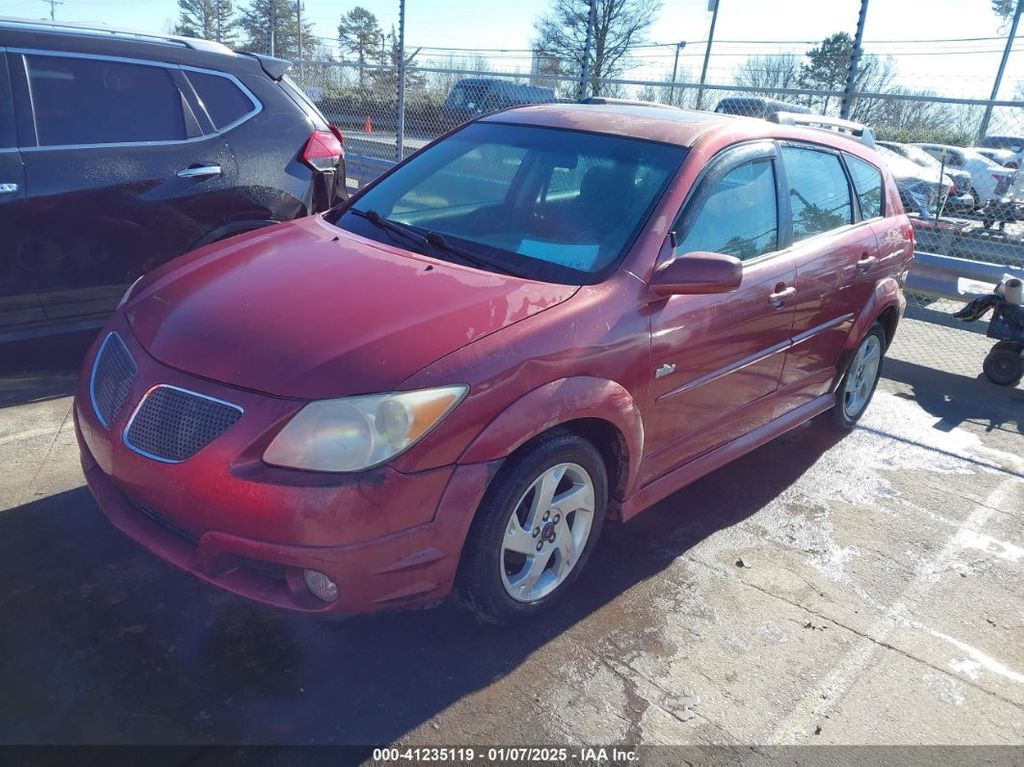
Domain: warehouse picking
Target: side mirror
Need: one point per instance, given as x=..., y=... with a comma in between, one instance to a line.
x=697, y=273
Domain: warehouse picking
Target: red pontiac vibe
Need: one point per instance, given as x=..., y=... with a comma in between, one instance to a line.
x=554, y=316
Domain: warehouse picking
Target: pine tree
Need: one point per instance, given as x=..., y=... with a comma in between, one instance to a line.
x=256, y=21
x=361, y=35
x=208, y=19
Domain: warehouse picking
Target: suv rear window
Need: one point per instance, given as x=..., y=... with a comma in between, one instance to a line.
x=867, y=180
x=224, y=101
x=819, y=193
x=95, y=101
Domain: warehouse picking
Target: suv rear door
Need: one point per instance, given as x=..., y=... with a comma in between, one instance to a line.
x=717, y=359
x=835, y=254
x=18, y=301
x=120, y=176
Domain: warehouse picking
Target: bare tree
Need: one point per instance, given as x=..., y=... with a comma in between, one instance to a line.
x=778, y=71
x=619, y=27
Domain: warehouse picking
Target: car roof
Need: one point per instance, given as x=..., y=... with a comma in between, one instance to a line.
x=682, y=127
x=109, y=41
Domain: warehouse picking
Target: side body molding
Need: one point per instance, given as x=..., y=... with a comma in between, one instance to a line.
x=567, y=399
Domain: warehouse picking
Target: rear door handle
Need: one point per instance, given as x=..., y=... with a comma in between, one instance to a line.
x=778, y=298
x=8, y=187
x=199, y=171
x=865, y=263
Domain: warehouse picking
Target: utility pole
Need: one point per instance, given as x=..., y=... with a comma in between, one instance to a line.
x=217, y=11
x=53, y=3
x=853, y=63
x=713, y=7
x=675, y=68
x=587, y=45
x=1002, y=67
x=273, y=24
x=298, y=14
x=400, y=137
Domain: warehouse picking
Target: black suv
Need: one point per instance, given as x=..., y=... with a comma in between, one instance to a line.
x=120, y=151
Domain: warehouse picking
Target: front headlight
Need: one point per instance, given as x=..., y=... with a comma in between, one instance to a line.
x=355, y=433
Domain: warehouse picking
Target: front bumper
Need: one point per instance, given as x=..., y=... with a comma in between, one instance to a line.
x=387, y=539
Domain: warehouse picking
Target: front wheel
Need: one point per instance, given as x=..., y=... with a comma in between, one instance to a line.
x=535, y=529
x=861, y=379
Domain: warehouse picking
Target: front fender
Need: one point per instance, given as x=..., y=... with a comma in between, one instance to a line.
x=556, y=403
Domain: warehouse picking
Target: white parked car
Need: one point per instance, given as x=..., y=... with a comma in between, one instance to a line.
x=989, y=181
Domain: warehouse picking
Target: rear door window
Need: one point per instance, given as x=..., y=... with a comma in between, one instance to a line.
x=97, y=101
x=867, y=181
x=223, y=100
x=739, y=217
x=819, y=194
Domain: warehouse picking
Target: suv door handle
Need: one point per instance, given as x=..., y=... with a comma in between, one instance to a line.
x=865, y=263
x=8, y=187
x=778, y=298
x=199, y=171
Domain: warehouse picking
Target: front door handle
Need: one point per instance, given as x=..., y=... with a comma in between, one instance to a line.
x=8, y=187
x=199, y=171
x=865, y=263
x=778, y=298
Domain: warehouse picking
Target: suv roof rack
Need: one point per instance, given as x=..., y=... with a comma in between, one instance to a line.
x=824, y=122
x=597, y=100
x=193, y=43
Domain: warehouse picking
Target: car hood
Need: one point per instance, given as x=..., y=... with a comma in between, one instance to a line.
x=307, y=310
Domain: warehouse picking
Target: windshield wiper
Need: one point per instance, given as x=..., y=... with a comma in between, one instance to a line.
x=438, y=240
x=387, y=224
x=435, y=241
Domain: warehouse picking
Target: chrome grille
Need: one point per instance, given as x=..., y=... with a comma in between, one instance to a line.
x=173, y=424
x=113, y=374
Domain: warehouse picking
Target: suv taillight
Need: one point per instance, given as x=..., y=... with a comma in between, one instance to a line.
x=323, y=150
x=338, y=134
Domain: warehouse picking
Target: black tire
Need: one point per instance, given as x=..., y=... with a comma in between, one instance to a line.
x=479, y=583
x=1003, y=365
x=840, y=416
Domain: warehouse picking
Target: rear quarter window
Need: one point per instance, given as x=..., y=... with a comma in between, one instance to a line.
x=867, y=182
x=819, y=194
x=223, y=100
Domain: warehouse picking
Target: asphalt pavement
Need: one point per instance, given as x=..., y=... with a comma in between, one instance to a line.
x=820, y=590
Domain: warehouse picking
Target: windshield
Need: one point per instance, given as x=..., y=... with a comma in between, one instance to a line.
x=973, y=154
x=543, y=203
x=921, y=157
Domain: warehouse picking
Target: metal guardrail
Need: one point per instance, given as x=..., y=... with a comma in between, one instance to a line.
x=932, y=275
x=363, y=169
x=937, y=276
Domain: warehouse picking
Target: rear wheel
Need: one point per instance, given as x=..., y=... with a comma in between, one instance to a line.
x=1003, y=364
x=535, y=529
x=858, y=385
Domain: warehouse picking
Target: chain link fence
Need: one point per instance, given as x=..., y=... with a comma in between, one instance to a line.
x=965, y=204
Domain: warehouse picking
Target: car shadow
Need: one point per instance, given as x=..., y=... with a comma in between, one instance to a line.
x=105, y=644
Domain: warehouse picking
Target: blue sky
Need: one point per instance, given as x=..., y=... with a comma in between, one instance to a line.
x=954, y=68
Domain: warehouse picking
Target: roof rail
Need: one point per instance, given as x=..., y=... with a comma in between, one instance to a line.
x=99, y=30
x=598, y=100
x=824, y=122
